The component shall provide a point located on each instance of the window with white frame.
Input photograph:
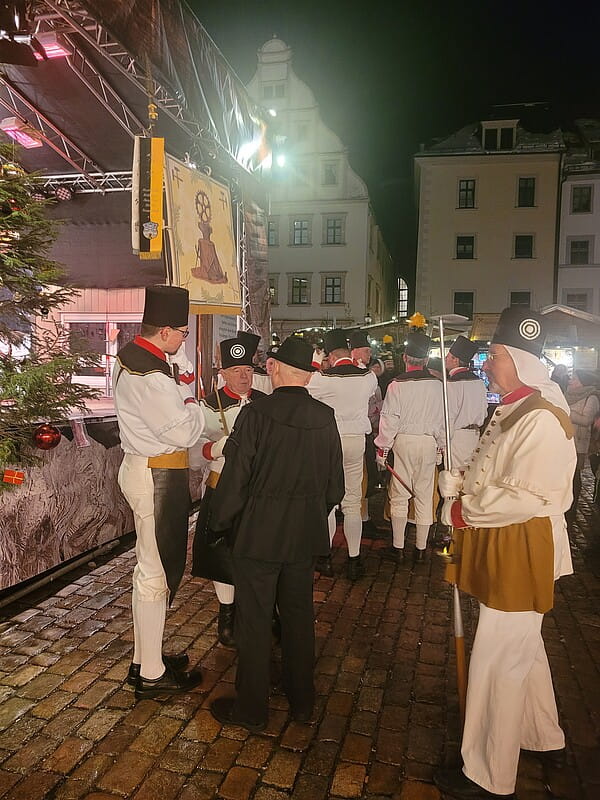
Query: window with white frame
(466, 193)
(104, 335)
(301, 231)
(299, 289)
(402, 298)
(273, 232)
(332, 288)
(577, 298)
(333, 229)
(581, 199)
(520, 299)
(463, 304)
(329, 176)
(526, 193)
(465, 247)
(274, 289)
(579, 251)
(523, 245)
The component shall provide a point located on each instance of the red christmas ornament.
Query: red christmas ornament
(46, 436)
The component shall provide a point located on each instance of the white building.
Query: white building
(328, 263)
(487, 212)
(579, 243)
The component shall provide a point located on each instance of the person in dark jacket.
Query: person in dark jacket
(282, 476)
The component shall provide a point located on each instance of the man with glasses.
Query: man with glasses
(158, 420)
(510, 544)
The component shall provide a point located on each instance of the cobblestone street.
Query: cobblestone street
(387, 709)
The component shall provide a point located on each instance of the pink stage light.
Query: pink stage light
(21, 132)
(54, 46)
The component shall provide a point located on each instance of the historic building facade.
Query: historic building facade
(328, 262)
(488, 205)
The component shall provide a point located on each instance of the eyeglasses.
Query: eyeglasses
(184, 333)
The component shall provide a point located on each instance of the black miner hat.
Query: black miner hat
(335, 340)
(521, 328)
(166, 306)
(359, 339)
(464, 349)
(418, 344)
(250, 340)
(235, 353)
(296, 352)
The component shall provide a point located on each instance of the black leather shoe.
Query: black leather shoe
(324, 566)
(223, 710)
(456, 784)
(356, 569)
(178, 663)
(170, 682)
(419, 556)
(225, 624)
(556, 759)
(392, 554)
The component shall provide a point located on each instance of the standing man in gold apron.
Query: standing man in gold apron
(510, 543)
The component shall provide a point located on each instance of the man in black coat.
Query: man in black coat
(282, 476)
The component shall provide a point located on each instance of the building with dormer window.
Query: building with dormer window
(328, 263)
(488, 204)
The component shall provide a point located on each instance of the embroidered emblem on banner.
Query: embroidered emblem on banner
(238, 351)
(530, 329)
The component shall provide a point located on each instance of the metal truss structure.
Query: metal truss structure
(104, 182)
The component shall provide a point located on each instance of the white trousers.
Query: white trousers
(414, 461)
(353, 450)
(510, 698)
(150, 590)
(463, 444)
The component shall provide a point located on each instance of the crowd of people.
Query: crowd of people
(289, 448)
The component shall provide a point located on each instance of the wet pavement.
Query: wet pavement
(386, 714)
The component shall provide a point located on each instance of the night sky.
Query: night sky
(388, 76)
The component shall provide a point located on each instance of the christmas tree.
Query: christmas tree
(37, 358)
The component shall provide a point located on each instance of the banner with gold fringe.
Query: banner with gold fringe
(201, 240)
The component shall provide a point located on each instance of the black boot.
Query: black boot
(419, 556)
(356, 568)
(225, 625)
(324, 566)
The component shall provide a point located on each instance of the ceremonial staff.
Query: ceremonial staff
(459, 634)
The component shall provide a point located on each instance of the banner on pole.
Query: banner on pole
(201, 240)
(147, 197)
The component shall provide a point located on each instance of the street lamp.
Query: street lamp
(368, 318)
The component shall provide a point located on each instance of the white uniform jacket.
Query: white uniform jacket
(155, 414)
(413, 404)
(347, 389)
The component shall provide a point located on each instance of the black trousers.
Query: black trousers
(258, 586)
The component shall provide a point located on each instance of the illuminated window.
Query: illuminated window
(334, 230)
(274, 289)
(332, 288)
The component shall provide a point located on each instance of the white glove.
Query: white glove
(381, 456)
(446, 515)
(438, 456)
(216, 450)
(450, 483)
(180, 358)
(317, 356)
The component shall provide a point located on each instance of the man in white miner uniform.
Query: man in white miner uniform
(467, 401)
(510, 541)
